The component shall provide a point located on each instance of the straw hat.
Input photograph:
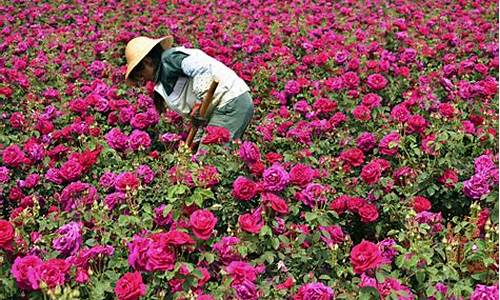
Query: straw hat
(137, 48)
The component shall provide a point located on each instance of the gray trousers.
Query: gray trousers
(235, 116)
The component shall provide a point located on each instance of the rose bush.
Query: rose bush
(369, 171)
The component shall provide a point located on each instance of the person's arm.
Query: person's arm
(200, 70)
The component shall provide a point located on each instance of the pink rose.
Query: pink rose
(371, 173)
(277, 204)
(25, 271)
(368, 213)
(216, 135)
(244, 189)
(364, 256)
(130, 287)
(376, 82)
(301, 175)
(420, 204)
(202, 223)
(253, 222)
(6, 234)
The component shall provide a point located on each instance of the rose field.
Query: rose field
(369, 170)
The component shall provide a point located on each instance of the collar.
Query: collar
(157, 74)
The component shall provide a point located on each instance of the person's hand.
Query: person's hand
(195, 112)
(198, 121)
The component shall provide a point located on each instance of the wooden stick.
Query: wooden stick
(203, 111)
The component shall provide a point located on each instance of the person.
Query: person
(182, 77)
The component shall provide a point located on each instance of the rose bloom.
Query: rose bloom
(483, 292)
(6, 234)
(13, 156)
(476, 186)
(275, 178)
(202, 223)
(361, 113)
(139, 140)
(420, 204)
(314, 291)
(249, 152)
(371, 173)
(253, 222)
(332, 235)
(277, 203)
(449, 178)
(26, 272)
(71, 170)
(130, 287)
(364, 256)
(389, 144)
(371, 100)
(216, 135)
(301, 174)
(366, 141)
(355, 157)
(416, 123)
(368, 213)
(354, 203)
(339, 204)
(126, 181)
(244, 189)
(376, 82)
(400, 113)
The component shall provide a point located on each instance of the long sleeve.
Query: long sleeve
(201, 72)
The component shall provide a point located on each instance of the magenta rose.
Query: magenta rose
(252, 223)
(368, 213)
(160, 256)
(275, 178)
(126, 181)
(71, 170)
(361, 113)
(355, 157)
(116, 139)
(277, 203)
(130, 287)
(249, 152)
(371, 173)
(364, 256)
(216, 135)
(476, 186)
(371, 100)
(420, 204)
(332, 235)
(244, 189)
(416, 123)
(13, 156)
(137, 249)
(389, 144)
(53, 274)
(366, 141)
(25, 271)
(6, 234)
(314, 291)
(139, 140)
(376, 82)
(202, 223)
(301, 174)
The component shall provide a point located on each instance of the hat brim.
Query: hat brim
(166, 42)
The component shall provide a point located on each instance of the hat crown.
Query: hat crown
(137, 48)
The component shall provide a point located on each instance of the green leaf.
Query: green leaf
(368, 293)
(166, 210)
(310, 216)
